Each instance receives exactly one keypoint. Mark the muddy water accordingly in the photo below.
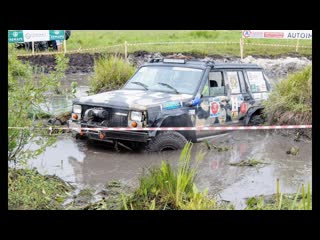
(84, 164)
(58, 104)
(93, 165)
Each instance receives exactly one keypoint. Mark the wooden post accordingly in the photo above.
(65, 46)
(126, 51)
(278, 192)
(241, 47)
(297, 46)
(32, 47)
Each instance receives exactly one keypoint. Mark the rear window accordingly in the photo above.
(256, 81)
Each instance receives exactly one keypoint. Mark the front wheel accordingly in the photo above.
(168, 140)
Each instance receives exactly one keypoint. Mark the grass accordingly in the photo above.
(211, 146)
(111, 198)
(81, 39)
(293, 151)
(27, 189)
(248, 163)
(291, 100)
(300, 201)
(110, 73)
(166, 188)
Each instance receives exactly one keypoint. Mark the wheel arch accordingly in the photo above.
(252, 111)
(179, 120)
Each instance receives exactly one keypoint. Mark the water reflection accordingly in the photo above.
(58, 104)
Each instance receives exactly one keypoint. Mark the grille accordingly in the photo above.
(111, 120)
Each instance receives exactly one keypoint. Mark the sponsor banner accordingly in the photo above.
(56, 35)
(278, 34)
(15, 36)
(35, 35)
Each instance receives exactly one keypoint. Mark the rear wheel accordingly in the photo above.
(169, 140)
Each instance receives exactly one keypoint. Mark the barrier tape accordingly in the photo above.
(71, 51)
(172, 128)
(276, 45)
(157, 43)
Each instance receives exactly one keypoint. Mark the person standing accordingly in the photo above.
(59, 45)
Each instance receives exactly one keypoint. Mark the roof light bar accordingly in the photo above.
(170, 60)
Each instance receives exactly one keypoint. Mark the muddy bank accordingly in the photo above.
(276, 67)
(78, 62)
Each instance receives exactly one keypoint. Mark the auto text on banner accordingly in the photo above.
(278, 34)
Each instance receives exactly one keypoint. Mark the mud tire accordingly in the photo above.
(166, 140)
(256, 120)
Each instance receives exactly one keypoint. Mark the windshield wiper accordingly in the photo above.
(167, 85)
(141, 84)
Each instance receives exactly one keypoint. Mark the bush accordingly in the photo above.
(291, 100)
(110, 73)
(205, 34)
(24, 96)
(27, 189)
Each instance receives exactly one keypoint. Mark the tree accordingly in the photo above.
(25, 93)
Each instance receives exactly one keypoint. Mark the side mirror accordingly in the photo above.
(194, 102)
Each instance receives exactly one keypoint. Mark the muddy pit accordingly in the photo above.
(93, 165)
(86, 165)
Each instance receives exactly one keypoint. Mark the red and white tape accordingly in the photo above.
(195, 128)
(174, 128)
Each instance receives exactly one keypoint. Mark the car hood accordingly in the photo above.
(132, 99)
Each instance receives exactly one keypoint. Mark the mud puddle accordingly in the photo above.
(93, 165)
(58, 104)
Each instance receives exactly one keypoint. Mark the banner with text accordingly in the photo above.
(278, 34)
(35, 35)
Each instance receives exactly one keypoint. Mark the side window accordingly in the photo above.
(215, 86)
(233, 82)
(256, 81)
(242, 82)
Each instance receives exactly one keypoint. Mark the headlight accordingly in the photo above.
(77, 109)
(136, 116)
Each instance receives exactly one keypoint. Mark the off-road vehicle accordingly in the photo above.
(173, 93)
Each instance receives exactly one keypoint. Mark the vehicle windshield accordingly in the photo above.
(166, 78)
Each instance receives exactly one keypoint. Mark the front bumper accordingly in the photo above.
(134, 136)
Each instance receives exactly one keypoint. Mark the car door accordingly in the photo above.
(239, 95)
(214, 106)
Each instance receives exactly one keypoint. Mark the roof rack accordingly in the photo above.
(204, 61)
(172, 60)
(154, 60)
